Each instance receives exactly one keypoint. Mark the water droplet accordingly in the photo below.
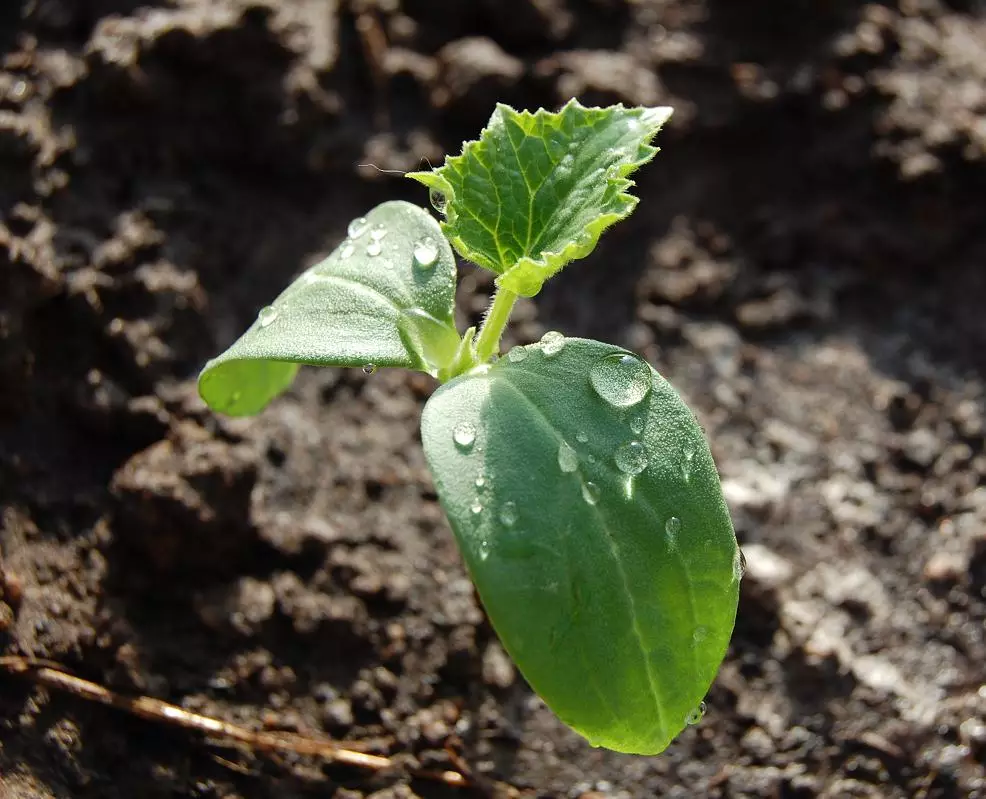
(438, 201)
(464, 435)
(671, 529)
(374, 248)
(582, 437)
(688, 455)
(267, 316)
(590, 493)
(696, 715)
(425, 253)
(481, 483)
(552, 343)
(568, 460)
(739, 565)
(484, 545)
(631, 458)
(508, 513)
(378, 232)
(637, 425)
(517, 354)
(369, 368)
(700, 634)
(476, 507)
(358, 227)
(347, 251)
(621, 380)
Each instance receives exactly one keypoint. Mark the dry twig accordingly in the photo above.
(50, 675)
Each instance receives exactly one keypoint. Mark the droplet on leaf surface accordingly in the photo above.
(631, 458)
(568, 459)
(358, 227)
(369, 368)
(621, 380)
(374, 248)
(267, 316)
(517, 354)
(438, 201)
(425, 253)
(696, 715)
(464, 435)
(590, 493)
(552, 343)
(508, 513)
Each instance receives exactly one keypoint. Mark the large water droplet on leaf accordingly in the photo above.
(621, 380)
(696, 715)
(347, 251)
(568, 460)
(267, 316)
(508, 514)
(517, 354)
(358, 227)
(552, 343)
(425, 253)
(374, 248)
(464, 435)
(631, 458)
(438, 201)
(378, 232)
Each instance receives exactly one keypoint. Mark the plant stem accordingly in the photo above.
(496, 319)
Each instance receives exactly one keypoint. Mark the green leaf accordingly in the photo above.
(588, 509)
(537, 190)
(384, 297)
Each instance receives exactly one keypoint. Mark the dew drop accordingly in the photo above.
(739, 565)
(369, 368)
(508, 514)
(696, 715)
(374, 248)
(568, 460)
(621, 380)
(437, 199)
(425, 253)
(267, 316)
(590, 493)
(481, 483)
(552, 343)
(517, 354)
(464, 435)
(637, 425)
(700, 634)
(347, 251)
(358, 227)
(484, 545)
(671, 529)
(582, 437)
(476, 507)
(631, 458)
(378, 232)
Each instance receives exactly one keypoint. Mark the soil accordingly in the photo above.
(807, 266)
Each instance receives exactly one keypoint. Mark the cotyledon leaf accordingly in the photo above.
(536, 190)
(384, 297)
(588, 509)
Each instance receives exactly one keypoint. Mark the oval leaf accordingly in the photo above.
(588, 509)
(383, 297)
(538, 189)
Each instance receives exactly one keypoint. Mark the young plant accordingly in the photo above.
(579, 486)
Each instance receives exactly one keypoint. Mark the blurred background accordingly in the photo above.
(807, 265)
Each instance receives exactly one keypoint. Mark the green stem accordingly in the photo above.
(488, 342)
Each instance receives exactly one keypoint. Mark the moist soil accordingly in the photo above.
(807, 266)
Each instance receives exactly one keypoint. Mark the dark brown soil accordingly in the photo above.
(807, 265)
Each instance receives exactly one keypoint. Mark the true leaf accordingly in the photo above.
(384, 297)
(538, 189)
(588, 509)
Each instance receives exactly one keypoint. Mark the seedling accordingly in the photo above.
(578, 484)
